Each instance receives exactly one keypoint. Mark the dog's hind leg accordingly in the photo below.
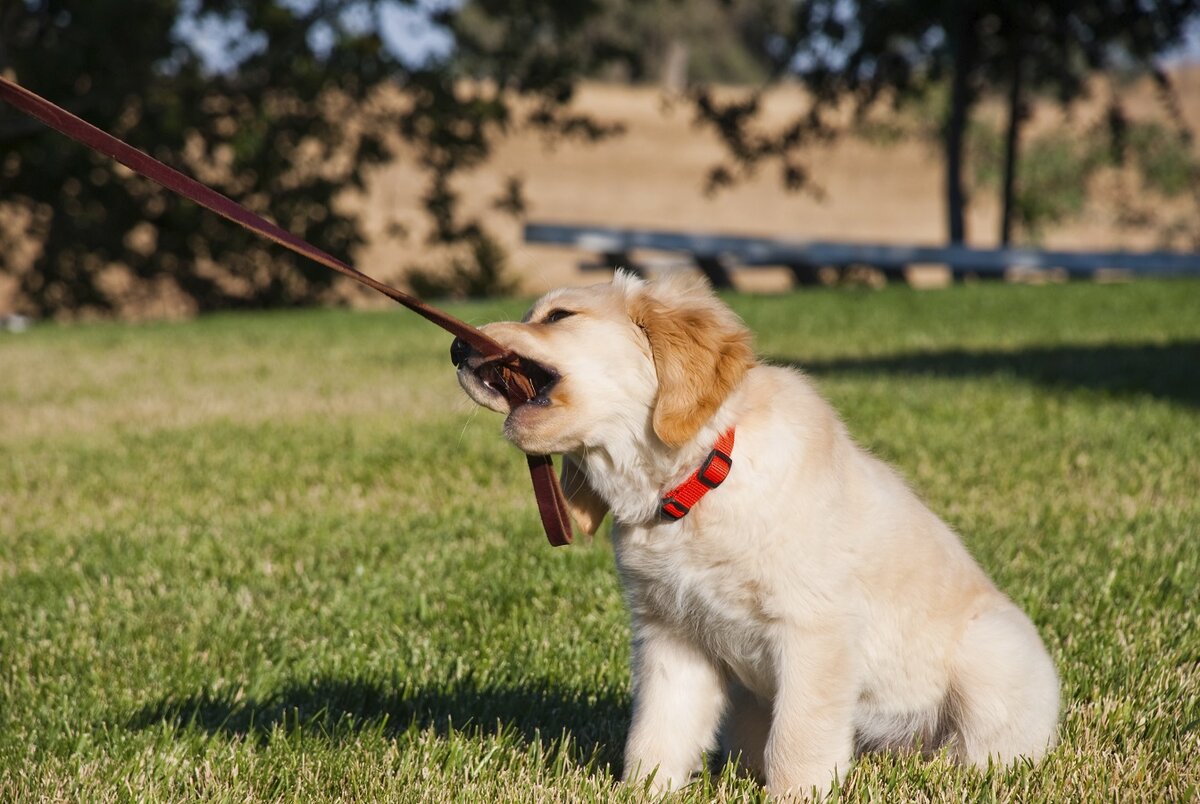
(1004, 694)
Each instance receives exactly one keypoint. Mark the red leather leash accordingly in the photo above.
(551, 505)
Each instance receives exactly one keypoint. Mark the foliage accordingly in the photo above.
(634, 38)
(1055, 174)
(280, 557)
(270, 134)
(869, 54)
(1059, 168)
(294, 118)
(1167, 162)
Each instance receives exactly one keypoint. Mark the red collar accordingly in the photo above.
(716, 467)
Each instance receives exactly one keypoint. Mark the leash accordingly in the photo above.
(552, 506)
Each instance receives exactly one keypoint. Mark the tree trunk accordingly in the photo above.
(962, 46)
(674, 78)
(1016, 116)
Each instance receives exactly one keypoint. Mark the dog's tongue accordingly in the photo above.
(552, 506)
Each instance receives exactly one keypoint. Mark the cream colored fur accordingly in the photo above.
(810, 608)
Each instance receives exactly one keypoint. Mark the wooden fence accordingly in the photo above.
(719, 255)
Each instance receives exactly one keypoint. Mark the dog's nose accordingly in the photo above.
(460, 350)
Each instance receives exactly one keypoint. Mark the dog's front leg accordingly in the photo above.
(812, 730)
(678, 700)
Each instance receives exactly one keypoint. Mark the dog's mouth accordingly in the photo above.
(496, 378)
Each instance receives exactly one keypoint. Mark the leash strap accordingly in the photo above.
(551, 504)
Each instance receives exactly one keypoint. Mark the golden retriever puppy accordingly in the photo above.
(792, 600)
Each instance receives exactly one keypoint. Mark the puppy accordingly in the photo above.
(805, 606)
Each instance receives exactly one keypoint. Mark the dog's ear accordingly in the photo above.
(586, 506)
(701, 351)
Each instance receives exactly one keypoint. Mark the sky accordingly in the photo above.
(1190, 50)
(406, 30)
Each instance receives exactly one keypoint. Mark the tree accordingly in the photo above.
(873, 52)
(1054, 48)
(261, 139)
(294, 115)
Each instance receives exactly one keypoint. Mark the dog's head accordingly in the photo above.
(651, 359)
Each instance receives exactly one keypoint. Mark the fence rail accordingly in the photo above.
(718, 255)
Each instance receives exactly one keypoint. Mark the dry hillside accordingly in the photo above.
(653, 177)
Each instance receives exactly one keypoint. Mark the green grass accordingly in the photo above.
(264, 557)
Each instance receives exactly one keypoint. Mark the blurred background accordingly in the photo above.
(415, 138)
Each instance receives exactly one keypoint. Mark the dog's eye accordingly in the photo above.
(557, 315)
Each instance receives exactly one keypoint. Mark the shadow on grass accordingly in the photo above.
(336, 709)
(1168, 371)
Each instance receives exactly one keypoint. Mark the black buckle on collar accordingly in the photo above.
(708, 462)
(672, 509)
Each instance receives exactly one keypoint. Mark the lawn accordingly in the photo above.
(281, 557)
